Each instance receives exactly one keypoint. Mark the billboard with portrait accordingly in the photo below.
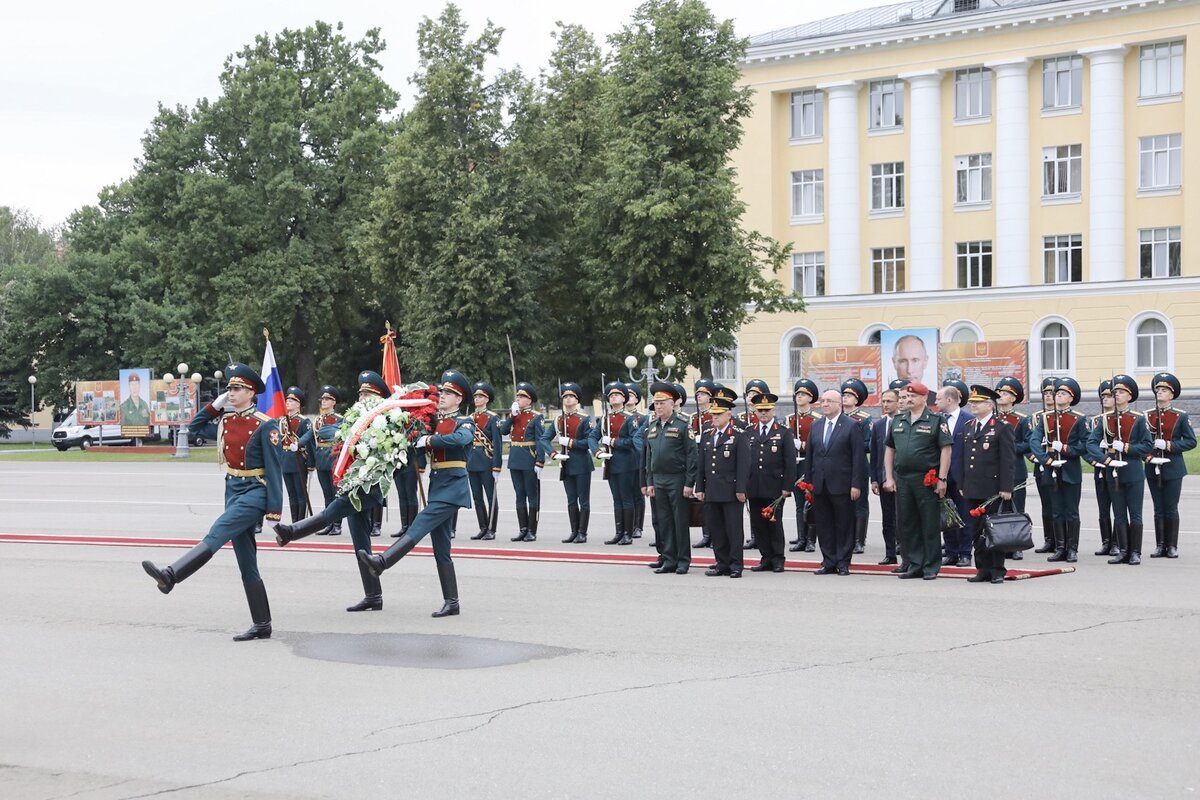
(135, 402)
(829, 366)
(910, 354)
(96, 403)
(984, 362)
(172, 402)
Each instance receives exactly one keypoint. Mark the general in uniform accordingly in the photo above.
(525, 459)
(772, 476)
(721, 479)
(986, 470)
(669, 472)
(485, 460)
(321, 440)
(754, 388)
(568, 440)
(1173, 436)
(1011, 393)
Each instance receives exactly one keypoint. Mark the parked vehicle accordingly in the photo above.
(71, 434)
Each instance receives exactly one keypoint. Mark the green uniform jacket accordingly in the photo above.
(670, 452)
(918, 443)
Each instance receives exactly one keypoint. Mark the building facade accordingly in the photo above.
(997, 169)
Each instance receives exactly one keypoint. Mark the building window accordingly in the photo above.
(972, 93)
(887, 267)
(808, 114)
(1161, 165)
(1064, 258)
(797, 347)
(808, 193)
(887, 186)
(973, 178)
(1151, 345)
(1056, 349)
(1062, 82)
(724, 368)
(1160, 252)
(1161, 69)
(808, 274)
(964, 334)
(965, 5)
(1062, 170)
(974, 265)
(887, 104)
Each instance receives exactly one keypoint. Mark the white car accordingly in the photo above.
(71, 434)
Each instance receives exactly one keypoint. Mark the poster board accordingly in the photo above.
(135, 402)
(984, 363)
(910, 354)
(97, 403)
(829, 366)
(172, 403)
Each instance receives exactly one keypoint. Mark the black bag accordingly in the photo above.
(1007, 531)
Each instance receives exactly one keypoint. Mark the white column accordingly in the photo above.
(924, 177)
(1010, 173)
(843, 273)
(1105, 244)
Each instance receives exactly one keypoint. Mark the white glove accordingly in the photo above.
(565, 441)
(1057, 447)
(537, 471)
(221, 401)
(1119, 446)
(515, 409)
(294, 446)
(606, 440)
(1160, 444)
(699, 438)
(423, 442)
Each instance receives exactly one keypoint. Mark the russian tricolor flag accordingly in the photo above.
(271, 402)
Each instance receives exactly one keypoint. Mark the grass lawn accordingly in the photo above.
(46, 452)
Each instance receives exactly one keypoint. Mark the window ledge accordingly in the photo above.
(1160, 99)
(809, 219)
(1060, 283)
(1160, 191)
(963, 121)
(1157, 277)
(1062, 111)
(982, 205)
(1065, 199)
(806, 140)
(885, 213)
(894, 130)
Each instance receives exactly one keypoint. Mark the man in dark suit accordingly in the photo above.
(951, 399)
(986, 470)
(772, 475)
(721, 480)
(836, 467)
(888, 403)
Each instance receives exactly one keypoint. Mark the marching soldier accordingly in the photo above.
(616, 442)
(804, 394)
(772, 476)
(1173, 436)
(1010, 393)
(294, 462)
(668, 474)
(1042, 477)
(406, 479)
(248, 446)
(1058, 441)
(721, 478)
(700, 424)
(485, 460)
(633, 394)
(446, 448)
(525, 459)
(989, 450)
(569, 443)
(322, 446)
(1117, 444)
(854, 394)
(1108, 542)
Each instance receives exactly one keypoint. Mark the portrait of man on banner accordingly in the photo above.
(909, 354)
(135, 397)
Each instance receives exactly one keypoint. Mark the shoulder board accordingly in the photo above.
(1020, 414)
(490, 413)
(1075, 413)
(261, 417)
(1097, 418)
(1134, 413)
(814, 414)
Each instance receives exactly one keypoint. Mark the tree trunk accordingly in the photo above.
(306, 361)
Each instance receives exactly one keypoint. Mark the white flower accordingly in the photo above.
(370, 462)
(363, 450)
(379, 422)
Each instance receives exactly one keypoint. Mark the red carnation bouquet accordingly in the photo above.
(930, 479)
(981, 509)
(768, 513)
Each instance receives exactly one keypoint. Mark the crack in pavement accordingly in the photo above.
(91, 789)
(494, 714)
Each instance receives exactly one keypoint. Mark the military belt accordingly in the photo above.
(450, 465)
(245, 473)
(523, 444)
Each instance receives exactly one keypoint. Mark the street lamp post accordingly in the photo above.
(32, 408)
(181, 434)
(649, 373)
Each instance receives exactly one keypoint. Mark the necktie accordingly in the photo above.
(828, 432)
(762, 432)
(887, 428)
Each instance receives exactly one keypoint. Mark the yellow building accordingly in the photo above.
(996, 169)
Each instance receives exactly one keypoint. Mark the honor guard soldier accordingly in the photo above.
(525, 459)
(295, 462)
(248, 446)
(854, 394)
(446, 452)
(1117, 444)
(919, 442)
(485, 460)
(772, 476)
(372, 389)
(668, 474)
(322, 447)
(701, 423)
(615, 441)
(569, 443)
(1042, 477)
(406, 479)
(1058, 441)
(986, 470)
(1010, 393)
(1173, 436)
(721, 478)
(799, 422)
(1108, 542)
(634, 395)
(951, 399)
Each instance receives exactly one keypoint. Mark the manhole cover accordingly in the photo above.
(419, 650)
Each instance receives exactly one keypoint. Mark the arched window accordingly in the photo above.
(1055, 347)
(725, 367)
(870, 334)
(798, 345)
(1151, 342)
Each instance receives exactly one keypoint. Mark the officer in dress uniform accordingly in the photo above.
(615, 440)
(296, 462)
(986, 470)
(772, 476)
(721, 479)
(1058, 440)
(1117, 444)
(568, 442)
(1173, 436)
(485, 460)
(1010, 393)
(743, 421)
(526, 457)
(1108, 542)
(700, 424)
(854, 394)
(799, 422)
(446, 450)
(668, 474)
(372, 388)
(322, 447)
(248, 446)
(1042, 476)
(633, 398)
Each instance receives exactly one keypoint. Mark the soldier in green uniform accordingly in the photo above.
(669, 472)
(854, 394)
(919, 442)
(1173, 436)
(1117, 444)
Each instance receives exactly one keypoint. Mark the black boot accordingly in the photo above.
(618, 522)
(298, 530)
(573, 518)
(335, 529)
(377, 564)
(1047, 535)
(534, 516)
(1135, 543)
(706, 540)
(481, 516)
(810, 544)
(1171, 536)
(584, 517)
(449, 591)
(1106, 537)
(185, 567)
(1159, 547)
(522, 523)
(1072, 540)
(377, 521)
(628, 516)
(1059, 528)
(1120, 541)
(260, 612)
(860, 534)
(639, 517)
(372, 591)
(297, 511)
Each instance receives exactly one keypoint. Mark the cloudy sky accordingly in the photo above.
(80, 82)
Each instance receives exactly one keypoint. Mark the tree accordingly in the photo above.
(666, 218)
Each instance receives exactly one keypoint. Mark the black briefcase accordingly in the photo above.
(1007, 531)
(695, 513)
